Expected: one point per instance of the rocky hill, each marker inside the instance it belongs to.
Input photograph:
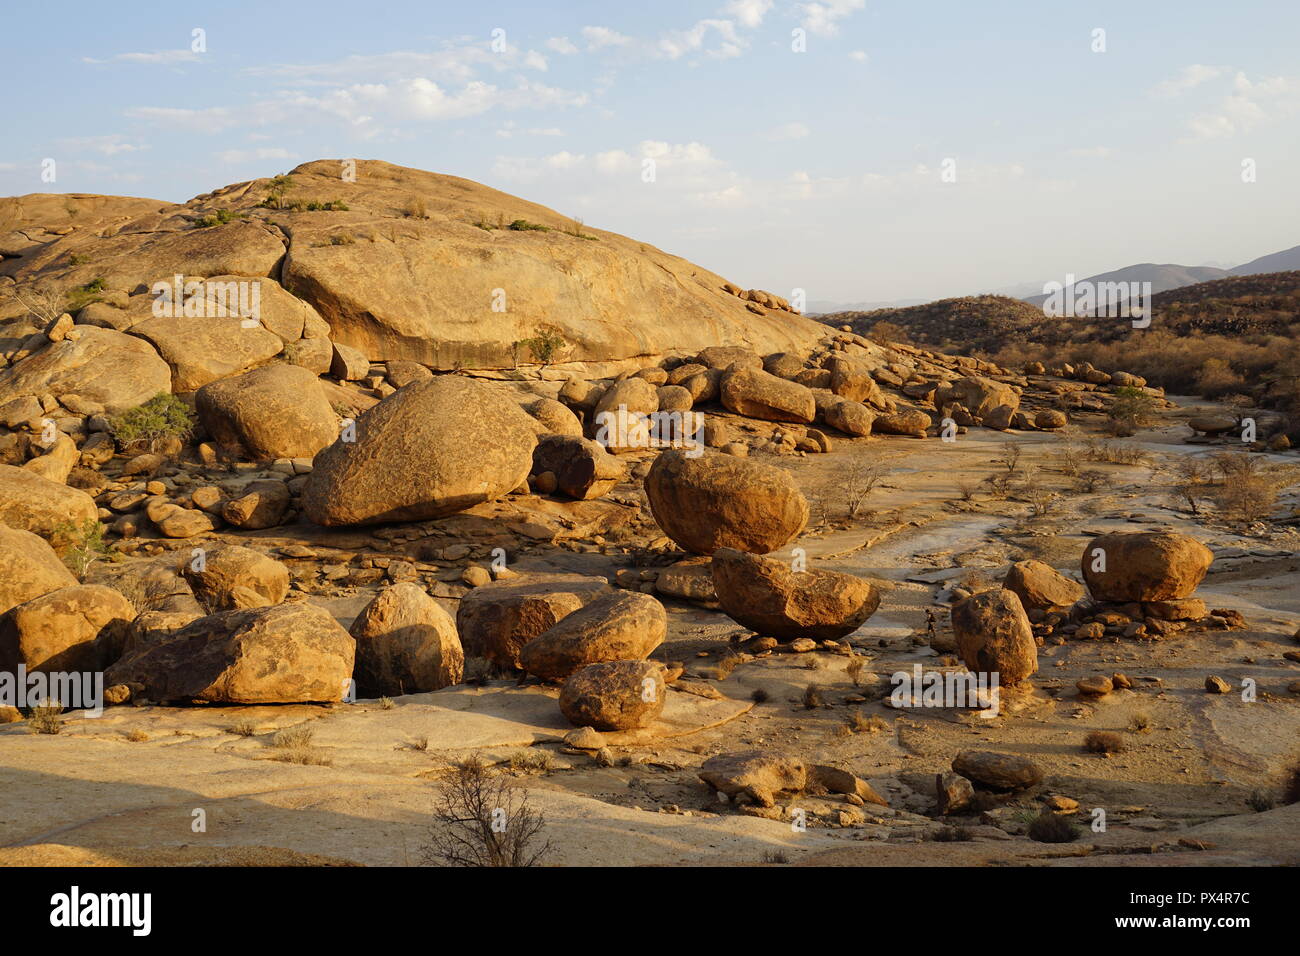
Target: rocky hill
(955, 324)
(397, 263)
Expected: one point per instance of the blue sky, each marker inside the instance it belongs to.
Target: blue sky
(820, 170)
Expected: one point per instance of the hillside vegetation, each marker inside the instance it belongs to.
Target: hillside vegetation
(1233, 338)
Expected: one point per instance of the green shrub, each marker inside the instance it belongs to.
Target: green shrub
(80, 546)
(1132, 409)
(523, 225)
(218, 218)
(544, 344)
(161, 418)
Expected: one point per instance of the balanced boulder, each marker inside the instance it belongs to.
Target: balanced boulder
(234, 577)
(996, 770)
(994, 636)
(406, 644)
(1144, 566)
(1041, 586)
(719, 501)
(620, 626)
(431, 449)
(766, 596)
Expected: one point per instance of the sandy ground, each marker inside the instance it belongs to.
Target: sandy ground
(129, 787)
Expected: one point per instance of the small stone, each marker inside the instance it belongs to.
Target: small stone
(476, 576)
(1098, 686)
(954, 792)
(1217, 685)
(585, 738)
(1060, 804)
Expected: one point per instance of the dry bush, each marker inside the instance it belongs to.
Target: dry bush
(859, 723)
(45, 303)
(758, 695)
(46, 718)
(531, 761)
(1249, 488)
(1260, 802)
(1104, 742)
(137, 736)
(854, 668)
(812, 697)
(1140, 723)
(775, 856)
(1116, 452)
(245, 728)
(966, 489)
(1051, 828)
(1089, 481)
(1192, 475)
(293, 745)
(1070, 456)
(484, 820)
(1042, 500)
(999, 483)
(1010, 458)
(859, 479)
(1217, 378)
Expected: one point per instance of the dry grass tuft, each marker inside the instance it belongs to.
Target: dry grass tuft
(1104, 742)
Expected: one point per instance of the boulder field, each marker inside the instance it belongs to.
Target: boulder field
(385, 491)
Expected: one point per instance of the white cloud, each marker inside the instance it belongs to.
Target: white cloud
(110, 145)
(1092, 152)
(823, 17)
(455, 62)
(678, 43)
(369, 108)
(562, 45)
(750, 13)
(859, 55)
(679, 166)
(1244, 107)
(1189, 77)
(161, 57)
(600, 37)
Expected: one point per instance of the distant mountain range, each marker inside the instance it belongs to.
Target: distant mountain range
(1162, 276)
